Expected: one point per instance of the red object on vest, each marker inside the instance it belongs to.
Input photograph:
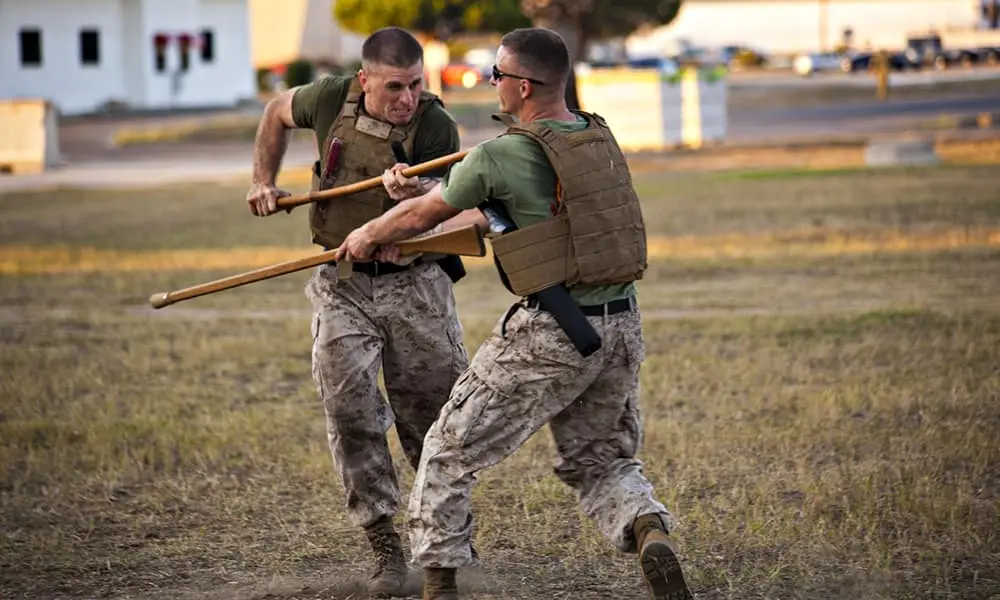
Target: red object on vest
(331, 157)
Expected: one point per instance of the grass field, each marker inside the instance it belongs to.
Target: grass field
(821, 398)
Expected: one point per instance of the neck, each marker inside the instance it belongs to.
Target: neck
(368, 110)
(556, 111)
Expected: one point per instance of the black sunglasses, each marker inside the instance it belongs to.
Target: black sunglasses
(497, 74)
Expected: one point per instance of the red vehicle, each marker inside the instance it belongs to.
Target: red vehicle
(461, 75)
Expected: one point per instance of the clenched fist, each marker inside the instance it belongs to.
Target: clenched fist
(263, 199)
(398, 186)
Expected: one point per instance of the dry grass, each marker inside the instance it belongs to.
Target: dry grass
(821, 401)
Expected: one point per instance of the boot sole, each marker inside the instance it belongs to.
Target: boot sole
(387, 587)
(663, 575)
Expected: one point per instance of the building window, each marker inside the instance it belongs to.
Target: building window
(31, 47)
(90, 47)
(207, 46)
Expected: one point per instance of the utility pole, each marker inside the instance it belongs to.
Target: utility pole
(823, 28)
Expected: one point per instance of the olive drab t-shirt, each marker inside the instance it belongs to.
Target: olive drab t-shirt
(514, 170)
(316, 106)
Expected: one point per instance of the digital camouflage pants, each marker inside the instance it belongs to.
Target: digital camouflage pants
(526, 375)
(405, 323)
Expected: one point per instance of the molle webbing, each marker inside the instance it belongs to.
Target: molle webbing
(365, 152)
(598, 236)
(535, 257)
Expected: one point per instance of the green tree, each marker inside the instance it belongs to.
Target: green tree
(441, 18)
(577, 21)
(582, 21)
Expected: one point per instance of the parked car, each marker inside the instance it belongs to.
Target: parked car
(474, 69)
(461, 75)
(667, 66)
(807, 64)
(864, 61)
(987, 55)
(930, 52)
(741, 57)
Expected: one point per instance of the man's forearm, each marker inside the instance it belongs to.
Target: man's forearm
(410, 218)
(403, 221)
(269, 148)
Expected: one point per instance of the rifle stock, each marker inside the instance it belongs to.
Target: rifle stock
(465, 241)
(371, 183)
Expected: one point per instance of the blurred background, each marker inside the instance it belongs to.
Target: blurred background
(110, 80)
(821, 311)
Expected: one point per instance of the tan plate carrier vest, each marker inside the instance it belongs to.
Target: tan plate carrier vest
(598, 235)
(365, 152)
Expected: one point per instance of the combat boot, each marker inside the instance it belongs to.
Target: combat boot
(660, 567)
(439, 584)
(389, 577)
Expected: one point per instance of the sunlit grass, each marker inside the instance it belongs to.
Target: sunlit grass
(821, 397)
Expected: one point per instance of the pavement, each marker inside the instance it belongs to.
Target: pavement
(92, 160)
(857, 118)
(863, 80)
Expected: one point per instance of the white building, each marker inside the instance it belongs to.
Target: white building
(805, 25)
(83, 54)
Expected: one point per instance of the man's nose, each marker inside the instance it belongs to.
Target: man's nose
(410, 98)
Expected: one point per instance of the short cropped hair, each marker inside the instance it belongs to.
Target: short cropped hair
(539, 51)
(392, 47)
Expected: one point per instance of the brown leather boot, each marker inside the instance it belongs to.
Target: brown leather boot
(439, 584)
(660, 567)
(390, 564)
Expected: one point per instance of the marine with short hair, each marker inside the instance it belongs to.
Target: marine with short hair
(389, 314)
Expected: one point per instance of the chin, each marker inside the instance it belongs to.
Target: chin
(401, 119)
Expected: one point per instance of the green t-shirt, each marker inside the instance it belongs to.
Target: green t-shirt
(316, 106)
(514, 170)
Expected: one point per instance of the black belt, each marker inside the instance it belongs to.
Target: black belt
(597, 310)
(375, 268)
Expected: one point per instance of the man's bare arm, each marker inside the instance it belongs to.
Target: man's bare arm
(472, 216)
(411, 217)
(271, 141)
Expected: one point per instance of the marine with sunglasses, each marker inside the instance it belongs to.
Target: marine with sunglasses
(564, 181)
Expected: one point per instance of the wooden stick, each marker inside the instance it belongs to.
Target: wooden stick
(464, 241)
(367, 184)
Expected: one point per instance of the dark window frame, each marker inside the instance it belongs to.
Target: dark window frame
(86, 58)
(30, 56)
(207, 46)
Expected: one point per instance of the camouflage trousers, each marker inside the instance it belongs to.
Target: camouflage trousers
(405, 323)
(525, 375)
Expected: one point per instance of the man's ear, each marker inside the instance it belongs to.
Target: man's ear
(525, 89)
(363, 79)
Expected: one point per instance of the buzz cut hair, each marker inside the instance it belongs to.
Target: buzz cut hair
(541, 52)
(391, 47)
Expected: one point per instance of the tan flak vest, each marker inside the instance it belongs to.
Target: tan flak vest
(365, 152)
(598, 235)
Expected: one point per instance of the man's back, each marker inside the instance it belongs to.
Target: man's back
(514, 170)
